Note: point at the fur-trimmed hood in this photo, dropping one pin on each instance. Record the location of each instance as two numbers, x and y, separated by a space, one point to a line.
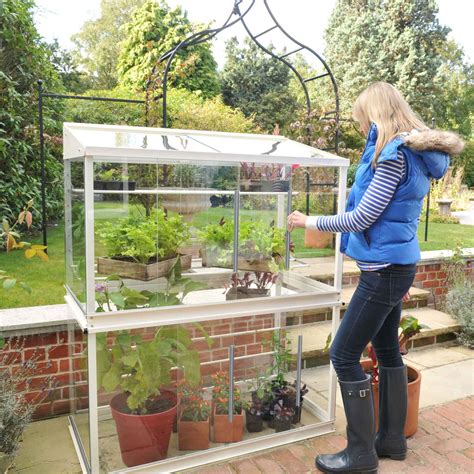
435 140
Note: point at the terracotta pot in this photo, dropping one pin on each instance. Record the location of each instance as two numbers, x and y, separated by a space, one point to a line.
316 239
226 432
413 403
143 438
193 435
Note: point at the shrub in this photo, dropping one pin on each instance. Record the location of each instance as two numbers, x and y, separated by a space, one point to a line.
460 304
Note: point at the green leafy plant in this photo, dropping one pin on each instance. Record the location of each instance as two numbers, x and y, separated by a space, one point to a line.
257 241
112 292
141 367
145 239
460 304
192 403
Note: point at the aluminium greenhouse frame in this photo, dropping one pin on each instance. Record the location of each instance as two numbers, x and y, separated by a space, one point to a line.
92 323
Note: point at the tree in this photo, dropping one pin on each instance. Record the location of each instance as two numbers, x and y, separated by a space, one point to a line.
153 30
257 84
24 59
97 44
397 41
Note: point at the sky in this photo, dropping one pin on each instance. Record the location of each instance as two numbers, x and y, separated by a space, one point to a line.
303 19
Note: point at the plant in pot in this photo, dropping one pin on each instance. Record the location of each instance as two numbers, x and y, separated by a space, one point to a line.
409 327
283 416
254 413
261 245
145 408
143 248
249 287
112 179
194 416
226 431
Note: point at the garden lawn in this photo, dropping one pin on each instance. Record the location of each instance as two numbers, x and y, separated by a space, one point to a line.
46 279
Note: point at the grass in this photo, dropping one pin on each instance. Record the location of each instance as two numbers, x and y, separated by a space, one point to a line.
46 279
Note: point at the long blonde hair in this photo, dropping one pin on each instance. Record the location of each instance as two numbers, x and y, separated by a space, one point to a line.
384 105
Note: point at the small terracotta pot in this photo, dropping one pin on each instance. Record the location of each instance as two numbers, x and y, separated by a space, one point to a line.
226 432
413 403
316 239
193 435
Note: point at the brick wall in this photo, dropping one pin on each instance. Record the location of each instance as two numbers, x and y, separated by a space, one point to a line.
53 378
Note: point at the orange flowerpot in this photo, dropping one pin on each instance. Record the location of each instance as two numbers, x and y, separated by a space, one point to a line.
316 239
228 432
193 435
413 403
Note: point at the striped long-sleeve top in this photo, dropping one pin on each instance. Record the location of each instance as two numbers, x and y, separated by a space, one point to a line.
376 198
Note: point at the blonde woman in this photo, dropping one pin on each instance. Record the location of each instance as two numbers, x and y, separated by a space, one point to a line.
379 229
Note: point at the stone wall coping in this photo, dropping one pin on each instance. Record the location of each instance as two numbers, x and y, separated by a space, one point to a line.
42 319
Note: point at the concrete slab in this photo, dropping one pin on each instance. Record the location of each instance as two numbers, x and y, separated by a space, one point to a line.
47 448
429 357
447 382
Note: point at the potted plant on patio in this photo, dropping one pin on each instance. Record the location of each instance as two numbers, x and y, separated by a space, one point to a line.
409 326
195 413
226 431
143 248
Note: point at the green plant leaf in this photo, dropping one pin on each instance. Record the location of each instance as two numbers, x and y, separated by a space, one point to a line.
111 379
117 299
130 359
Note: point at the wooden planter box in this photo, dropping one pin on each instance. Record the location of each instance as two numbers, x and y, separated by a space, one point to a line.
139 271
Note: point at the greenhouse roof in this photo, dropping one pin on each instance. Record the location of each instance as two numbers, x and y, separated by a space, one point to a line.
147 144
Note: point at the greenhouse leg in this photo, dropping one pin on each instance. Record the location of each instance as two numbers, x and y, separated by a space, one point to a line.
336 311
93 408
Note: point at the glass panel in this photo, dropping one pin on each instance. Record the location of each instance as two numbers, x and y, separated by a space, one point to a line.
79 394
75 229
164 234
164 391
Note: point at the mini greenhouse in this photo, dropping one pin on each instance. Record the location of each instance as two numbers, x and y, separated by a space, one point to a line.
187 295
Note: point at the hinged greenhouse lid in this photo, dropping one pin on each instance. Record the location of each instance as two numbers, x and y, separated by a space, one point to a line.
162 144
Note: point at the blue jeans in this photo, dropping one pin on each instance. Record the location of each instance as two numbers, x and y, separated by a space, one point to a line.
373 315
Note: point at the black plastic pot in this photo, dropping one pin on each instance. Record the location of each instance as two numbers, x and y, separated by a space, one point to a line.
297 416
282 425
253 423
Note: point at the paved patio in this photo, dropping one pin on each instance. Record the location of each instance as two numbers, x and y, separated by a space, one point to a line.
444 442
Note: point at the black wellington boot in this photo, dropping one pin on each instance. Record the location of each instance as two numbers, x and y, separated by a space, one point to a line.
390 438
359 457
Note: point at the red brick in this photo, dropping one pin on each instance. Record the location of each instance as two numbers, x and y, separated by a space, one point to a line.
36 354
462 433
430 284
58 352
202 345
240 326
220 354
469 452
437 462
64 365
240 340
461 460
245 467
436 418
205 356
338 441
254 349
268 465
467 402
431 276
432 267
61 407
221 329
63 337
420 277
452 412
41 340
441 275
291 464
42 411
446 445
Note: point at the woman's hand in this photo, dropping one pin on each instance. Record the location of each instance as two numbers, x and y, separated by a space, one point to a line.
296 219
406 297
